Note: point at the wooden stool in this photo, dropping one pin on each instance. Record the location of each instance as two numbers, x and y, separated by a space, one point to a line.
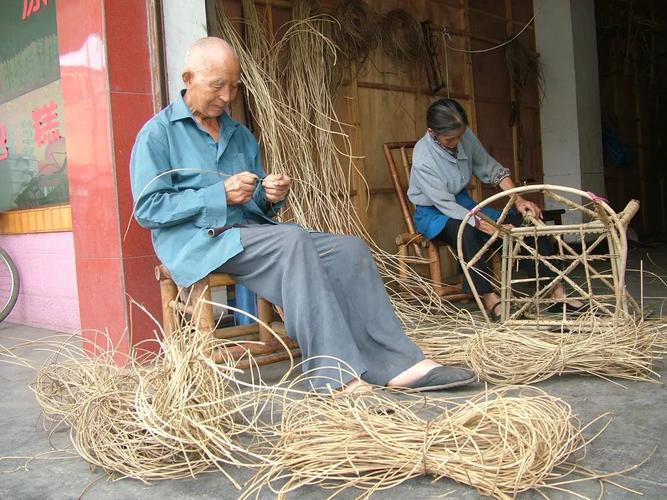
270 350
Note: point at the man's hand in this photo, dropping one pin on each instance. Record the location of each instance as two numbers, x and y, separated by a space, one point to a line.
239 188
276 187
525 206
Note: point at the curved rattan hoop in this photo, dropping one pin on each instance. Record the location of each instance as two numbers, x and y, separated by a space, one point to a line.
603 217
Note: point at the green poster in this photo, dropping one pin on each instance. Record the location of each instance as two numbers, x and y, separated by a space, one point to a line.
33 159
28 46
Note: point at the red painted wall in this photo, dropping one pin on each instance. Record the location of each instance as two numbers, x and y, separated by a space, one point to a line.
107 96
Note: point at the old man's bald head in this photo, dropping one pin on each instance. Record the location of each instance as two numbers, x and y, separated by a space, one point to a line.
207 52
211 75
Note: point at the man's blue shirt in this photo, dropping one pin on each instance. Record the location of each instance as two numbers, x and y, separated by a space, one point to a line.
178 171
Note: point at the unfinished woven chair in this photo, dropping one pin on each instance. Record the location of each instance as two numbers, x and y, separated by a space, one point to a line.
593 274
424 252
255 339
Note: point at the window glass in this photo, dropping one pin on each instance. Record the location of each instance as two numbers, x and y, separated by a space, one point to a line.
33 160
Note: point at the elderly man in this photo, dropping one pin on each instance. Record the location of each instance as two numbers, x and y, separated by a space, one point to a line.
194 168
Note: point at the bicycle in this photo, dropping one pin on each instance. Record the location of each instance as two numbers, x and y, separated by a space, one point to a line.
9 284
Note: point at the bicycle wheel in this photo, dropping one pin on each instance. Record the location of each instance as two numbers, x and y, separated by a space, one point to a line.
9 284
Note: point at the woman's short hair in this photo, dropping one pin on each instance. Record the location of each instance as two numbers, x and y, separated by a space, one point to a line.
446 115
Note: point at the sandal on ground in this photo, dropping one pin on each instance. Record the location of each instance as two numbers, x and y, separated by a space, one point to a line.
496 317
493 312
557 308
441 378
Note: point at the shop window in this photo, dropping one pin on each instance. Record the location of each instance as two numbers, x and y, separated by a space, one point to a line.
33 158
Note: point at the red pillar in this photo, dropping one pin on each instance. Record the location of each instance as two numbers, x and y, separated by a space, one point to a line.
107 97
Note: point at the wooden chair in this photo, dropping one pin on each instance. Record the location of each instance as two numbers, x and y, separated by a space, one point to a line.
413 239
270 350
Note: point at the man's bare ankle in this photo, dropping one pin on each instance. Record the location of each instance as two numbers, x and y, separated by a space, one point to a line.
355 386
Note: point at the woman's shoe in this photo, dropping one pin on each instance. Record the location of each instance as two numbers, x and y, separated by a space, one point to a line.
493 312
569 308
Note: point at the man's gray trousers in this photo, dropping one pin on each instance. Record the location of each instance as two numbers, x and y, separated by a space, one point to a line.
334 301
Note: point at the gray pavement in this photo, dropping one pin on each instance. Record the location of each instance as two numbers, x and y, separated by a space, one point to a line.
638 430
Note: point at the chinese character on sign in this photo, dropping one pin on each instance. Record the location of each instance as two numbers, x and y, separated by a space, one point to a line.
45 124
32 6
4 150
27 144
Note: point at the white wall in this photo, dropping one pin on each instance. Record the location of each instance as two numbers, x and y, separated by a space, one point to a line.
570 110
588 95
184 22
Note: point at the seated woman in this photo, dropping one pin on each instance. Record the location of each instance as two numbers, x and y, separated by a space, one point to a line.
443 162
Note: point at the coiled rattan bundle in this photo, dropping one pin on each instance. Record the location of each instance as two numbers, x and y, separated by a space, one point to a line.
402 38
356 32
181 414
173 417
500 442
519 355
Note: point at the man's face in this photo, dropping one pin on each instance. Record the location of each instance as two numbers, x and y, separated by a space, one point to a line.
211 89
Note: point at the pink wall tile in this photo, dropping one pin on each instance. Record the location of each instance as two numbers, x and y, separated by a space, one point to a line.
48 296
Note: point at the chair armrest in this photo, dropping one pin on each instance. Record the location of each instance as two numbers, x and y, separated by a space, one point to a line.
411 238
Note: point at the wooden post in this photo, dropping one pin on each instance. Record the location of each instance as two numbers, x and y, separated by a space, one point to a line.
356 140
202 290
403 263
168 292
641 153
264 313
434 268
505 277
514 98
470 90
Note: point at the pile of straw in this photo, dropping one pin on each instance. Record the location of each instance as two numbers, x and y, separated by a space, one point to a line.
173 417
624 350
500 442
181 414
295 114
521 354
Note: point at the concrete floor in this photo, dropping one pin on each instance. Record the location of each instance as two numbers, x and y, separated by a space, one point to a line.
638 430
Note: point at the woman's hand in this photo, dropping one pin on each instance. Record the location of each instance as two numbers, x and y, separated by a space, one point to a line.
276 187
488 228
484 226
525 206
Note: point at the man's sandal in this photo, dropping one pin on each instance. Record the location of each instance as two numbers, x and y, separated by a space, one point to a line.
441 378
